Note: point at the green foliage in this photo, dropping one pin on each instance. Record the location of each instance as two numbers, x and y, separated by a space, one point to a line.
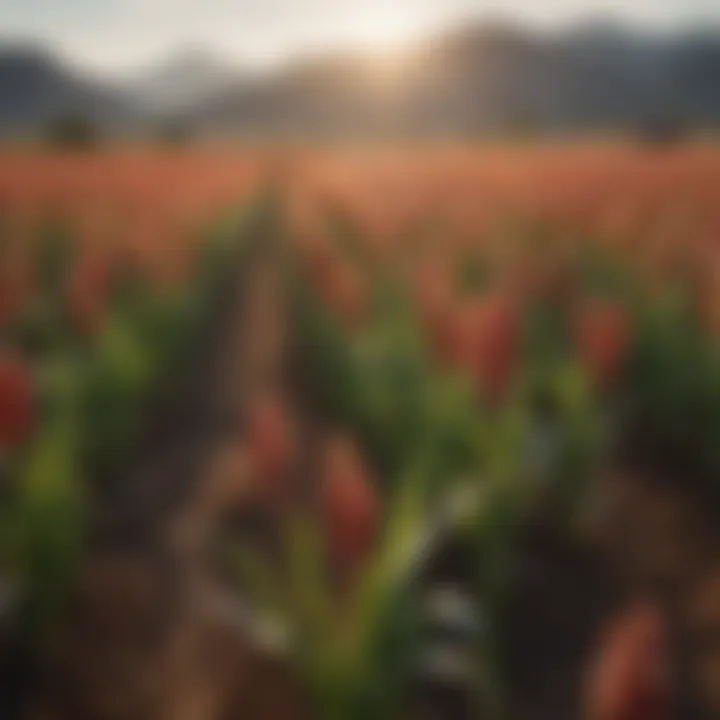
49 513
472 274
120 373
356 654
673 388
93 395
381 383
453 466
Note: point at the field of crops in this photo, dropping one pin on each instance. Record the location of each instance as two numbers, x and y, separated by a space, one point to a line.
382 434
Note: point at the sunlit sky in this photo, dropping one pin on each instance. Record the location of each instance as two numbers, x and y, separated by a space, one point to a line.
120 35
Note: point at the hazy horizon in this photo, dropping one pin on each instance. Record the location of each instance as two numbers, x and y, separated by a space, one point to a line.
123 36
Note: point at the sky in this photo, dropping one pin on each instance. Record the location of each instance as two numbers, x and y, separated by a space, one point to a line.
122 35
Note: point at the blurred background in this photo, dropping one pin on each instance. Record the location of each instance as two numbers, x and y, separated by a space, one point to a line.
359 360
411 69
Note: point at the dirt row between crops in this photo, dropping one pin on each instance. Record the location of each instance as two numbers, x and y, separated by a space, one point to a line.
153 637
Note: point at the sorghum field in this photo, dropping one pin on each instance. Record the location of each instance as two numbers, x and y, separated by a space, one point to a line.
360 434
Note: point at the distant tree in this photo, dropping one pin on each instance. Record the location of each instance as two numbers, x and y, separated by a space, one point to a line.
663 131
522 126
174 133
72 132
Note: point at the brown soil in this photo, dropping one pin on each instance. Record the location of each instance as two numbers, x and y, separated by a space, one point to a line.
150 636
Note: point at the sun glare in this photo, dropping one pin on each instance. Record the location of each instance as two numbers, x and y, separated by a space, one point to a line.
383 34
381 29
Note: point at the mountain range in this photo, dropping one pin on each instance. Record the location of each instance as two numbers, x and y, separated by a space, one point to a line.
472 80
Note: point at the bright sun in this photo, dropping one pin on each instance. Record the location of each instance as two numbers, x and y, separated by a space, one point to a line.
381 28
